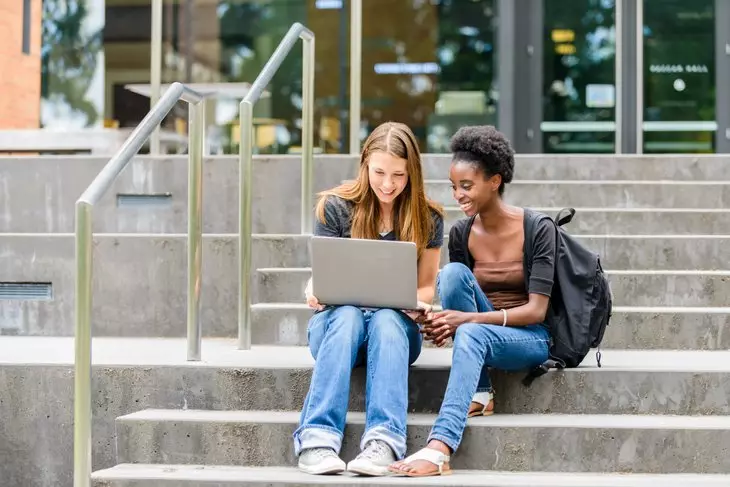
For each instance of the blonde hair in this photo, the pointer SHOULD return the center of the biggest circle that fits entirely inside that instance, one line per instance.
(413, 220)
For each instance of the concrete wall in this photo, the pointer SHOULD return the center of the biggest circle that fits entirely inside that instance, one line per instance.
(38, 195)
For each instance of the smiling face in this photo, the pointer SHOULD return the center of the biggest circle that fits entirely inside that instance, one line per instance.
(472, 189)
(388, 176)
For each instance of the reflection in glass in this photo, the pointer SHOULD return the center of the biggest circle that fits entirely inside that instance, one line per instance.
(427, 63)
(679, 76)
(248, 34)
(72, 64)
(436, 73)
(579, 76)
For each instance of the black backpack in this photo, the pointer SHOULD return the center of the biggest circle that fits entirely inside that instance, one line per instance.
(581, 302)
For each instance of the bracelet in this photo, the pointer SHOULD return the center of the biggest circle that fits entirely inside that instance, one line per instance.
(504, 313)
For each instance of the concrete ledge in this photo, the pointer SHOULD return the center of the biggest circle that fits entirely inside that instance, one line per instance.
(633, 382)
(39, 193)
(604, 443)
(630, 288)
(129, 475)
(672, 328)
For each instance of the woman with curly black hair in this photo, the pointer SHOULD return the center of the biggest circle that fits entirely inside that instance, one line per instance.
(495, 292)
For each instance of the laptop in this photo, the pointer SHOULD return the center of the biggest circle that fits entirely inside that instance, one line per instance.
(364, 273)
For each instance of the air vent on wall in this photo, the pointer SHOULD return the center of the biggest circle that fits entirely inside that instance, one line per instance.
(137, 200)
(27, 291)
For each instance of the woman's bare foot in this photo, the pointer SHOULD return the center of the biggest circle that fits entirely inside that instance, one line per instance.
(423, 468)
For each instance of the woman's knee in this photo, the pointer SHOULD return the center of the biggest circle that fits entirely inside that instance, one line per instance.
(468, 332)
(390, 328)
(388, 324)
(347, 320)
(452, 276)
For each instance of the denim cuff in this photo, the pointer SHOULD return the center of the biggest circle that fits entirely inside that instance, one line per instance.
(396, 441)
(452, 443)
(317, 437)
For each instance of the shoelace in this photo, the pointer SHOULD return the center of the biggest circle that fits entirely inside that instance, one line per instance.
(375, 449)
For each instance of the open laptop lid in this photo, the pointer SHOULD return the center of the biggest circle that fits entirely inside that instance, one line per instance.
(365, 273)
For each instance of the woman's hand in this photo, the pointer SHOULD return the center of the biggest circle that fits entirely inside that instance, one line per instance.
(442, 325)
(314, 303)
(420, 314)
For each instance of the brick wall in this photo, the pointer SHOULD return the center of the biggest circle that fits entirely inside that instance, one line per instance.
(20, 74)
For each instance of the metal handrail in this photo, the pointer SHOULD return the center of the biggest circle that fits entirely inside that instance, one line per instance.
(84, 234)
(296, 31)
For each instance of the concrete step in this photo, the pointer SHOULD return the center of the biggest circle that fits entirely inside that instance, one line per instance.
(602, 193)
(630, 288)
(673, 328)
(139, 279)
(554, 443)
(151, 475)
(151, 194)
(697, 252)
(635, 221)
(132, 374)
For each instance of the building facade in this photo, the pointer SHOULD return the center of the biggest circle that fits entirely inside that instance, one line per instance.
(558, 76)
(20, 64)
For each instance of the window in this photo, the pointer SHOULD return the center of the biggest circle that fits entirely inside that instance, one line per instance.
(26, 26)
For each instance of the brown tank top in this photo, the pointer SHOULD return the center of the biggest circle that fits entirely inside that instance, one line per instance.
(502, 282)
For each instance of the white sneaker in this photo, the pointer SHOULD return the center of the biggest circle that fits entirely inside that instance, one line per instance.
(320, 461)
(373, 460)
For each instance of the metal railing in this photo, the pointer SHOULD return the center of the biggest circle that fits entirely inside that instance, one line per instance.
(84, 252)
(296, 32)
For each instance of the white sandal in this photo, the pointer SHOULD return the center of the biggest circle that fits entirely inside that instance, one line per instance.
(429, 455)
(483, 398)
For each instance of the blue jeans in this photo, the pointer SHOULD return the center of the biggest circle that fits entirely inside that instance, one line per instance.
(341, 338)
(478, 347)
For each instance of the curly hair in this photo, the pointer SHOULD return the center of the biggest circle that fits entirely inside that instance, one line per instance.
(486, 148)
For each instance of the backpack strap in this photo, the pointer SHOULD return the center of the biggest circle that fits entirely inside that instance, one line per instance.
(564, 216)
(542, 369)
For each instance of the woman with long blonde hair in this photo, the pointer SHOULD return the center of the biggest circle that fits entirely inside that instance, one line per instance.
(387, 201)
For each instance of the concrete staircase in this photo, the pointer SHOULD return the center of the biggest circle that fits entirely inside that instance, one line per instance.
(656, 413)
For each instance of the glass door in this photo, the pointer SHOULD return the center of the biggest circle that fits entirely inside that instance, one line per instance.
(579, 85)
(679, 77)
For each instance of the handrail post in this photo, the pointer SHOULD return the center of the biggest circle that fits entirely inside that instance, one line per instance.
(196, 148)
(155, 69)
(355, 74)
(82, 362)
(245, 175)
(307, 132)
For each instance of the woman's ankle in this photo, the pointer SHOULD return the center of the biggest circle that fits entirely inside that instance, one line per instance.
(439, 446)
(483, 397)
